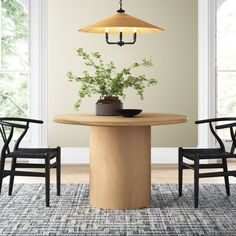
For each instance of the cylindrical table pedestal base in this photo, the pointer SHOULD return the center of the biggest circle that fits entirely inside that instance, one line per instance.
(120, 175)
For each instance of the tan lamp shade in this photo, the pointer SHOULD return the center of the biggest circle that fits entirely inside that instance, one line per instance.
(121, 22)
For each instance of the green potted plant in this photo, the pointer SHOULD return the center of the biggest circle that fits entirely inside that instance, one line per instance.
(103, 79)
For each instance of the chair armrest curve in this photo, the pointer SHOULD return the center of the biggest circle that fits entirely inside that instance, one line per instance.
(21, 119)
(215, 120)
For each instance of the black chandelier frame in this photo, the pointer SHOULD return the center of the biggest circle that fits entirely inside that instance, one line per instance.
(121, 42)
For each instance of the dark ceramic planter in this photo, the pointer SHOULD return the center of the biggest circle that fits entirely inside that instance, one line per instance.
(108, 106)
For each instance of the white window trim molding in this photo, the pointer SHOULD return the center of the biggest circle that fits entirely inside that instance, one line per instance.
(39, 63)
(206, 68)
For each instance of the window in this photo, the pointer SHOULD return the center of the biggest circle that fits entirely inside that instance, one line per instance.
(23, 62)
(226, 61)
(14, 64)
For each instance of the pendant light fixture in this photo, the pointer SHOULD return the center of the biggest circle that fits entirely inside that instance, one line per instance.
(121, 23)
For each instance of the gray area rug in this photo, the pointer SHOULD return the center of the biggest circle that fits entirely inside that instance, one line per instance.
(25, 213)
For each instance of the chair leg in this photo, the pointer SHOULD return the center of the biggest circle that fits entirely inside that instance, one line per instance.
(13, 166)
(47, 181)
(58, 170)
(196, 181)
(2, 165)
(225, 168)
(180, 171)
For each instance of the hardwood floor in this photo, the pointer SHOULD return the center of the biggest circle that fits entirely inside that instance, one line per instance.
(160, 174)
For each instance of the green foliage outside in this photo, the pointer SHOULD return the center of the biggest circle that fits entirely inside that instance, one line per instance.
(14, 37)
(105, 81)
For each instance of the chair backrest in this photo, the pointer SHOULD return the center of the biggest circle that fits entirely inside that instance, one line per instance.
(213, 130)
(232, 127)
(7, 127)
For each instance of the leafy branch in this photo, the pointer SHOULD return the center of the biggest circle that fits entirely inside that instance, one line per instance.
(105, 81)
(6, 97)
(15, 31)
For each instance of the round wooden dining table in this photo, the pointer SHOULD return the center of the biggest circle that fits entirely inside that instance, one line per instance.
(120, 156)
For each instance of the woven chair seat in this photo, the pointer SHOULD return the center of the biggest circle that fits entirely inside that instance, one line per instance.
(33, 153)
(206, 153)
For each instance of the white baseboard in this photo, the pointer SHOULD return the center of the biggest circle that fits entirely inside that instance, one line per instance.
(81, 155)
(164, 155)
(74, 155)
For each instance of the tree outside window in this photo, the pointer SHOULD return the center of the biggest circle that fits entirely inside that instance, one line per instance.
(14, 60)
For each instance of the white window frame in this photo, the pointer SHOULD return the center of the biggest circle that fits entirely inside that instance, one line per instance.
(207, 22)
(38, 73)
(206, 68)
(219, 3)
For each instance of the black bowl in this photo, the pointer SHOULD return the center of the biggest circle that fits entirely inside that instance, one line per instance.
(129, 112)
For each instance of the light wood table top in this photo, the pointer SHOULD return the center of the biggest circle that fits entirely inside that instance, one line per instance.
(144, 119)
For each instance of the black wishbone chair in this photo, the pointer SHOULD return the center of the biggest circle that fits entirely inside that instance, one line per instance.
(7, 127)
(198, 154)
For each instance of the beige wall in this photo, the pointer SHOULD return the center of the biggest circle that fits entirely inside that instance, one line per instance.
(174, 54)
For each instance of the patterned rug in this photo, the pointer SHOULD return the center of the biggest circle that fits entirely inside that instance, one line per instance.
(25, 213)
